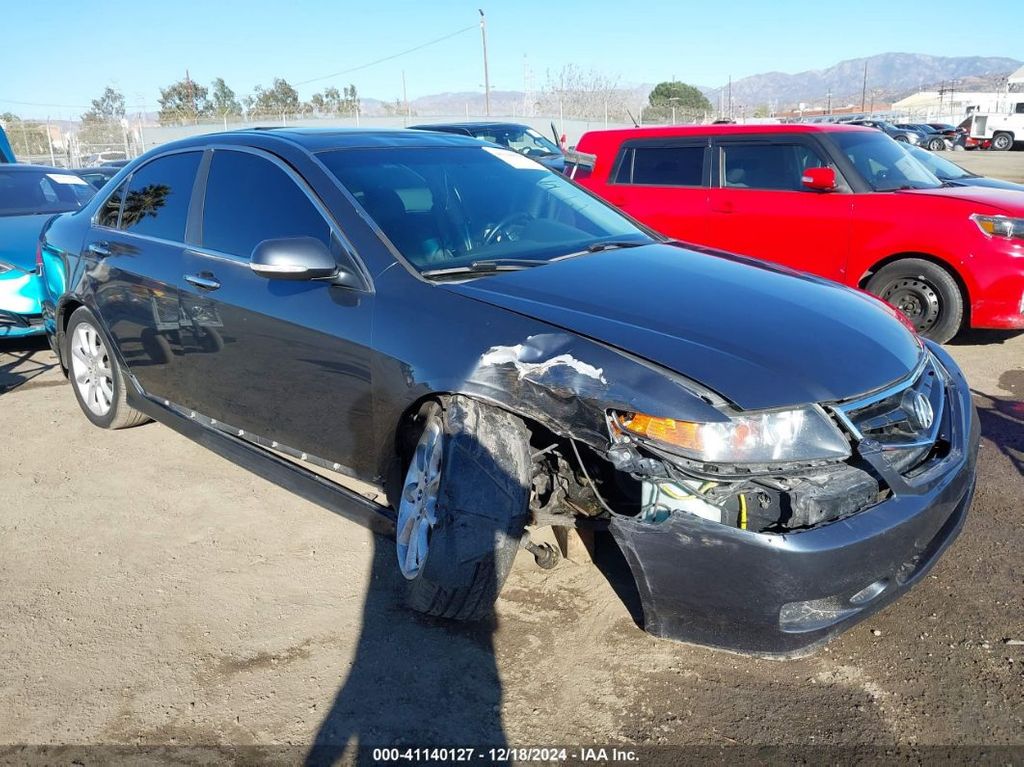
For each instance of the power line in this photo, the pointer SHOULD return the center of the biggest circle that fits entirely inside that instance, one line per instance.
(367, 65)
(388, 58)
(39, 104)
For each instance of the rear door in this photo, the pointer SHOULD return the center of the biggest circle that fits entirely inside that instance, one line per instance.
(284, 360)
(759, 206)
(664, 184)
(134, 253)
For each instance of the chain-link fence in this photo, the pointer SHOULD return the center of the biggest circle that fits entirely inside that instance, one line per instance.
(96, 142)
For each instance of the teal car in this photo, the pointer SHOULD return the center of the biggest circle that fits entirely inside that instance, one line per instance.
(29, 196)
(6, 153)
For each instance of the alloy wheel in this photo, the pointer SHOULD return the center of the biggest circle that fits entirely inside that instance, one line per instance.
(91, 369)
(417, 510)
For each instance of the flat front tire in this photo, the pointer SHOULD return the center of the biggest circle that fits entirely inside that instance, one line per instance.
(95, 374)
(463, 507)
(925, 292)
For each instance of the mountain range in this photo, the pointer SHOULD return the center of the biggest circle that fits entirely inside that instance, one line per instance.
(890, 76)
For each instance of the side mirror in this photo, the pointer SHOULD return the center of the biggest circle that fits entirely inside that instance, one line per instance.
(820, 179)
(293, 258)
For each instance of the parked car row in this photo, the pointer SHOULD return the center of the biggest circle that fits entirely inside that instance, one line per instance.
(29, 195)
(839, 201)
(493, 348)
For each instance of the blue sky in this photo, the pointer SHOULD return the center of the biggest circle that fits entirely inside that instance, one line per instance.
(60, 59)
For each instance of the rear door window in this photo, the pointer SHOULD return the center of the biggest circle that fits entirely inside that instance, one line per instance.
(766, 166)
(662, 165)
(249, 199)
(156, 202)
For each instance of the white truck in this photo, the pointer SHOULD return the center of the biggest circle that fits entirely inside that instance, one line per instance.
(1001, 131)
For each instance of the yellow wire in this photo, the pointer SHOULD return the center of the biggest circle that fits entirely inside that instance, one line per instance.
(743, 512)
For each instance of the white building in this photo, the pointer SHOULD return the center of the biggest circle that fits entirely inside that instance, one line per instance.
(952, 107)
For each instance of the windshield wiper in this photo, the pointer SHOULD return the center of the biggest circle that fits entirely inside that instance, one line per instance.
(486, 266)
(597, 247)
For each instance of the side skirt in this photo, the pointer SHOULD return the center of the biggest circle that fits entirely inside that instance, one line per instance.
(261, 461)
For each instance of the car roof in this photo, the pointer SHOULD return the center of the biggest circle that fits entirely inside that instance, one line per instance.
(324, 139)
(673, 131)
(469, 125)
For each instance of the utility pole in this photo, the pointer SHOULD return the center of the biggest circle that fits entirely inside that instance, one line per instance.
(828, 109)
(487, 77)
(49, 141)
(864, 87)
(405, 96)
(191, 97)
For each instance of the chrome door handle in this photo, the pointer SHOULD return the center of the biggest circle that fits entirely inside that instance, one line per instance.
(205, 283)
(101, 249)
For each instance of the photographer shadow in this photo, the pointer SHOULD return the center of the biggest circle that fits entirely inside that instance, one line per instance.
(415, 681)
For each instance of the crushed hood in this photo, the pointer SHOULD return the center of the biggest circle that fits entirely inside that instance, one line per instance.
(18, 238)
(760, 336)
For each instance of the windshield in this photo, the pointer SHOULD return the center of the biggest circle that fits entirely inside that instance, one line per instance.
(23, 192)
(942, 169)
(519, 139)
(882, 162)
(445, 207)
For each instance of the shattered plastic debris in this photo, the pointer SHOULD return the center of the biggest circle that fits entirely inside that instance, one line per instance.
(525, 359)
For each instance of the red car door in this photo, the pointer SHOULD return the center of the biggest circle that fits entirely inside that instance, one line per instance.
(759, 206)
(663, 182)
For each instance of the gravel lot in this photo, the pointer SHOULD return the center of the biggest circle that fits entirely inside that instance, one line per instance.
(153, 593)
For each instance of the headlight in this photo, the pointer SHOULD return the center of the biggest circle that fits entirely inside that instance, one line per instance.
(779, 436)
(1000, 226)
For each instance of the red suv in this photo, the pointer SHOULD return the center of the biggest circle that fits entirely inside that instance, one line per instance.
(844, 202)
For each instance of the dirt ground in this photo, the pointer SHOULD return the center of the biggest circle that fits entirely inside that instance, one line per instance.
(153, 593)
(1004, 165)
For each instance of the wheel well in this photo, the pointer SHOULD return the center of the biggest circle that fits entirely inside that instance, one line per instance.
(964, 292)
(66, 310)
(405, 435)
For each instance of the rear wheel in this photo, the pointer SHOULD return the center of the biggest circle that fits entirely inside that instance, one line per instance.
(925, 292)
(1002, 142)
(96, 377)
(463, 507)
(903, 139)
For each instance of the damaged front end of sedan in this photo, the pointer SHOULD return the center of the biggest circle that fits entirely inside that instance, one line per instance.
(759, 532)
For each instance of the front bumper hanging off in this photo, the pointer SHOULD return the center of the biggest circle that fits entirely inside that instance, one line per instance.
(784, 594)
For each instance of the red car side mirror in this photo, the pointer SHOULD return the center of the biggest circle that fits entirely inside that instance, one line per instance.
(820, 179)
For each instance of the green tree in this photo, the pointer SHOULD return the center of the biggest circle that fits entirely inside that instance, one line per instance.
(686, 100)
(280, 98)
(334, 102)
(27, 137)
(183, 102)
(101, 124)
(223, 101)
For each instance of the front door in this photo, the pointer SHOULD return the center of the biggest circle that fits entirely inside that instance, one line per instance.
(134, 252)
(284, 360)
(760, 208)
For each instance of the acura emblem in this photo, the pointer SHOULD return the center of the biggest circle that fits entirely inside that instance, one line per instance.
(918, 409)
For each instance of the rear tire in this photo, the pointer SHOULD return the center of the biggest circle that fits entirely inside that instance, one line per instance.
(478, 501)
(925, 292)
(1002, 142)
(95, 375)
